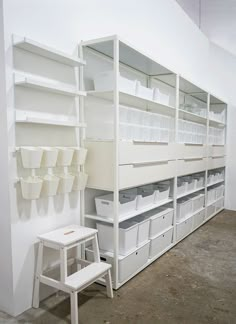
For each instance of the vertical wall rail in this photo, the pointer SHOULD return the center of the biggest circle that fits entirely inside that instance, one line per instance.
(207, 146)
(116, 159)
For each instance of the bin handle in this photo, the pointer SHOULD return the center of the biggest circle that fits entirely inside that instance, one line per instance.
(193, 159)
(149, 163)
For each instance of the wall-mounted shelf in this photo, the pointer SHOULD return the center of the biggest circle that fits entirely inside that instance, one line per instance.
(27, 117)
(45, 51)
(135, 101)
(46, 85)
(216, 123)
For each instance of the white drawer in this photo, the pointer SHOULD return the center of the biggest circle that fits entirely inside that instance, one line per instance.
(191, 151)
(189, 166)
(137, 174)
(216, 162)
(128, 264)
(198, 219)
(161, 242)
(131, 152)
(184, 228)
(214, 150)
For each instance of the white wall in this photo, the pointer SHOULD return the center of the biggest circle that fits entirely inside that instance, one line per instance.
(159, 27)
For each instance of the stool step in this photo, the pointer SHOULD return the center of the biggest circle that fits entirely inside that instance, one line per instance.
(87, 275)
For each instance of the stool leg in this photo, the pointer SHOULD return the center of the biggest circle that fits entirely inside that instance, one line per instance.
(39, 269)
(109, 284)
(74, 307)
(63, 264)
(96, 249)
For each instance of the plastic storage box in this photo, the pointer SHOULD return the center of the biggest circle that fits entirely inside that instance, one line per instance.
(31, 156)
(182, 187)
(144, 92)
(184, 208)
(143, 229)
(161, 97)
(160, 243)
(105, 204)
(128, 233)
(198, 202)
(160, 220)
(163, 192)
(31, 187)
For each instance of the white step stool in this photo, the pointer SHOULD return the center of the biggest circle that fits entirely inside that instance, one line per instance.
(64, 239)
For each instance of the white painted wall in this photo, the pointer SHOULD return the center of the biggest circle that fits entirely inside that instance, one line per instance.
(159, 27)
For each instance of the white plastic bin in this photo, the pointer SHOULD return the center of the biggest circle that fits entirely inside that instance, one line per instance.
(145, 197)
(198, 219)
(184, 228)
(184, 208)
(50, 185)
(31, 156)
(198, 202)
(65, 155)
(211, 195)
(144, 92)
(163, 192)
(210, 210)
(104, 81)
(182, 187)
(65, 183)
(80, 181)
(161, 97)
(31, 187)
(143, 229)
(160, 220)
(128, 233)
(79, 155)
(105, 204)
(49, 158)
(160, 243)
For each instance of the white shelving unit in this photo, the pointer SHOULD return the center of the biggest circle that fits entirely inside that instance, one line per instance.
(116, 163)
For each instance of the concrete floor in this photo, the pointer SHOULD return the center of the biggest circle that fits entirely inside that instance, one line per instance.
(195, 282)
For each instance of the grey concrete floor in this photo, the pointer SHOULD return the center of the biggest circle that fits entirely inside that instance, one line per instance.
(195, 282)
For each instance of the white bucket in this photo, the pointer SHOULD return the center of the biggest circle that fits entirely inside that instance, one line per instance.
(49, 158)
(65, 183)
(31, 187)
(31, 156)
(65, 155)
(50, 185)
(79, 156)
(80, 181)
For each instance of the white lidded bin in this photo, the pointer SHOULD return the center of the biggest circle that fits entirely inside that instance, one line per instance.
(105, 81)
(198, 202)
(79, 155)
(31, 156)
(50, 185)
(65, 155)
(49, 158)
(160, 243)
(128, 233)
(80, 181)
(144, 92)
(210, 210)
(65, 183)
(198, 219)
(31, 187)
(143, 229)
(184, 228)
(105, 204)
(184, 208)
(127, 265)
(160, 220)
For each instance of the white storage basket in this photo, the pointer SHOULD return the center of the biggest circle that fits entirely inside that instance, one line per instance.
(80, 181)
(79, 156)
(210, 210)
(160, 220)
(181, 187)
(104, 81)
(31, 156)
(50, 185)
(49, 158)
(31, 187)
(65, 183)
(144, 92)
(211, 195)
(163, 192)
(105, 204)
(143, 229)
(198, 202)
(184, 208)
(145, 197)
(65, 155)
(128, 233)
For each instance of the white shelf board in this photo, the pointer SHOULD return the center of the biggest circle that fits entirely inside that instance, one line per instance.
(213, 202)
(128, 216)
(39, 84)
(217, 123)
(46, 51)
(133, 100)
(214, 183)
(26, 117)
(190, 192)
(186, 115)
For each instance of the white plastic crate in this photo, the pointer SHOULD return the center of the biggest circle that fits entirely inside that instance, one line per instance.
(145, 196)
(219, 191)
(163, 192)
(31, 156)
(31, 187)
(190, 183)
(198, 202)
(144, 92)
(160, 220)
(104, 81)
(182, 187)
(105, 204)
(184, 208)
(199, 182)
(143, 229)
(160, 243)
(128, 234)
(50, 185)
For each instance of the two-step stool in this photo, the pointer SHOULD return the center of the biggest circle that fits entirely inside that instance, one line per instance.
(64, 239)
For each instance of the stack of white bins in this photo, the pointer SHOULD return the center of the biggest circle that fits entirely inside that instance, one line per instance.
(143, 126)
(192, 133)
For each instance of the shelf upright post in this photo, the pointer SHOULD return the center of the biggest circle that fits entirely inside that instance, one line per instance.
(176, 160)
(207, 146)
(116, 158)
